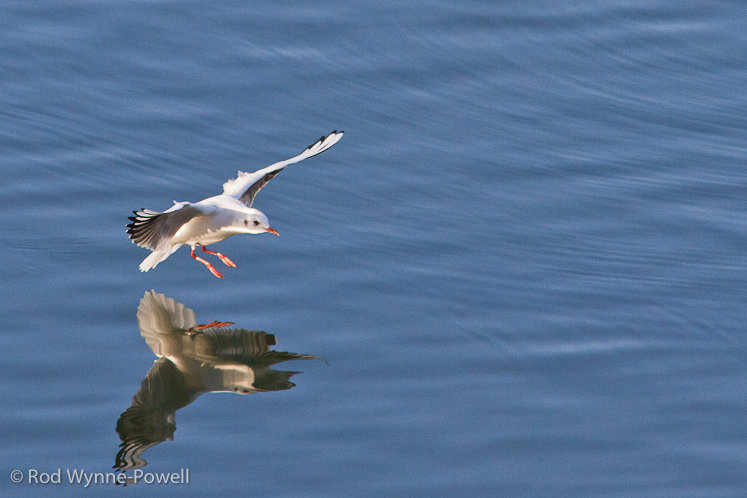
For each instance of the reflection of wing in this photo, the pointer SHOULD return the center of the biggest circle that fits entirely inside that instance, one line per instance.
(245, 347)
(150, 419)
(273, 357)
(159, 316)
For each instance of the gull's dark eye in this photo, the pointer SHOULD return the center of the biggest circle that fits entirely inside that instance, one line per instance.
(246, 223)
(256, 223)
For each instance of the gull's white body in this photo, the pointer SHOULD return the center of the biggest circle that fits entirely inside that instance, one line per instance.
(215, 218)
(219, 217)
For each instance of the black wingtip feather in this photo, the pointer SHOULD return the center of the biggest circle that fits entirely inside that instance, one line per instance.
(142, 228)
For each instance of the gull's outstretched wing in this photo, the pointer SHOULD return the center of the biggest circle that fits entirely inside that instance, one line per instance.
(154, 230)
(246, 185)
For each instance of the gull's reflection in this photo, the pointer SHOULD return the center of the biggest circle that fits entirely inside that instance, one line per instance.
(192, 360)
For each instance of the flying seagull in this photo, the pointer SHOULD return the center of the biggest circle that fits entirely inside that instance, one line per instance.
(215, 218)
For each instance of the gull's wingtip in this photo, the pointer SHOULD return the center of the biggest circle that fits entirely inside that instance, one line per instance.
(324, 143)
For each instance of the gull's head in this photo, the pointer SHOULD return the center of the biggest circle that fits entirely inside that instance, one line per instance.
(256, 223)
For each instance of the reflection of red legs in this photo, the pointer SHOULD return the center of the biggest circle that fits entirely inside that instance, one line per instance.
(209, 266)
(209, 325)
(222, 257)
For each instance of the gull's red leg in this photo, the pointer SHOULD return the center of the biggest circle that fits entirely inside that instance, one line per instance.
(209, 266)
(222, 257)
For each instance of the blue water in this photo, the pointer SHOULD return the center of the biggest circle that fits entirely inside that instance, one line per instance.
(524, 262)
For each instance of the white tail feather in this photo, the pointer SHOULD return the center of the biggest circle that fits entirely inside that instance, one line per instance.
(152, 261)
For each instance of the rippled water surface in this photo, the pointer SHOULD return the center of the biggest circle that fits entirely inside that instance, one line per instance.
(524, 262)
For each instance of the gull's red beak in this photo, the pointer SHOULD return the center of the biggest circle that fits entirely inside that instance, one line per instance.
(272, 230)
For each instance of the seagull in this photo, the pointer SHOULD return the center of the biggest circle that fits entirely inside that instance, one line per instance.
(215, 218)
